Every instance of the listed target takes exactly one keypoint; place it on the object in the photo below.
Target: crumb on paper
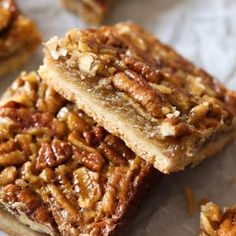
(190, 201)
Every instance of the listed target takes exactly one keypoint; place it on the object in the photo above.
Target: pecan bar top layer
(92, 11)
(18, 36)
(61, 173)
(215, 222)
(168, 111)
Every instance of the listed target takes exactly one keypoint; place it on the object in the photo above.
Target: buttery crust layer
(60, 172)
(168, 111)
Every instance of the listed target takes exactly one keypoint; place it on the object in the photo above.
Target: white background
(203, 31)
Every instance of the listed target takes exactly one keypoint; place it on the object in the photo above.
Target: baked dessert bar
(61, 173)
(215, 222)
(92, 11)
(167, 110)
(19, 37)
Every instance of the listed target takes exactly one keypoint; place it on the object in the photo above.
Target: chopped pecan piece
(47, 175)
(12, 158)
(87, 185)
(120, 147)
(8, 146)
(62, 201)
(173, 127)
(94, 136)
(76, 123)
(110, 154)
(8, 175)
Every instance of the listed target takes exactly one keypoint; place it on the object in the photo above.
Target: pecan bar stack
(214, 222)
(61, 173)
(92, 11)
(167, 110)
(18, 37)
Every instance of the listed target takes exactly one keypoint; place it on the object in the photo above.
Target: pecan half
(142, 68)
(110, 154)
(92, 160)
(52, 155)
(144, 95)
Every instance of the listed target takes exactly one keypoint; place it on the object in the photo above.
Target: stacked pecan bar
(92, 11)
(214, 222)
(62, 173)
(167, 110)
(18, 37)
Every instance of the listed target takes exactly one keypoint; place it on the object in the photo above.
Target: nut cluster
(59, 166)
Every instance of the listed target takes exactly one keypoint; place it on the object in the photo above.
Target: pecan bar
(19, 37)
(167, 110)
(215, 222)
(62, 173)
(92, 11)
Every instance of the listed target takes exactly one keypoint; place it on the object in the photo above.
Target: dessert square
(62, 173)
(19, 37)
(168, 111)
(214, 221)
(92, 11)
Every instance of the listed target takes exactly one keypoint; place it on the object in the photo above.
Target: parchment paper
(203, 31)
